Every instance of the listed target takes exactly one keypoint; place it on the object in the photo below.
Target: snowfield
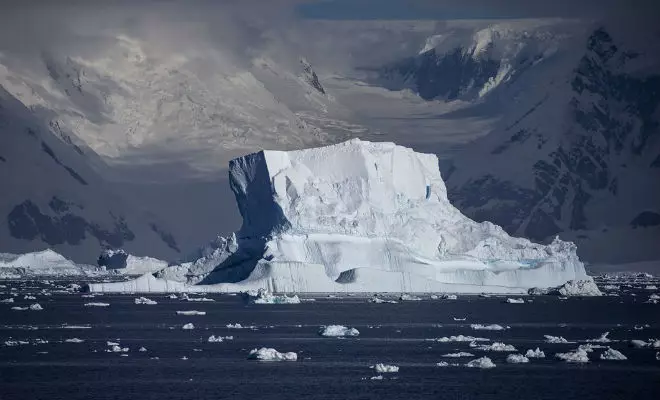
(377, 220)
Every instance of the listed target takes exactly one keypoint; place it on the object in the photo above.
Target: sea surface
(36, 362)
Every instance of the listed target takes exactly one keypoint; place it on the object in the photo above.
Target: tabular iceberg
(358, 217)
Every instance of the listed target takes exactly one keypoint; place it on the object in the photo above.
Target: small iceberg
(385, 369)
(191, 312)
(73, 340)
(602, 339)
(458, 355)
(460, 338)
(555, 339)
(538, 353)
(496, 346)
(516, 359)
(338, 331)
(268, 354)
(577, 356)
(614, 355)
(491, 327)
(144, 300)
(36, 307)
(189, 325)
(96, 304)
(219, 339)
(515, 301)
(483, 362)
(408, 297)
(262, 296)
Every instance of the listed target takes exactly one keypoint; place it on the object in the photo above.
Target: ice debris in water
(189, 325)
(589, 348)
(144, 300)
(446, 364)
(377, 378)
(268, 354)
(516, 359)
(191, 312)
(584, 287)
(483, 362)
(577, 356)
(408, 297)
(338, 330)
(459, 354)
(19, 308)
(115, 348)
(612, 354)
(7, 300)
(184, 296)
(602, 339)
(653, 343)
(538, 353)
(36, 307)
(96, 304)
(491, 327)
(262, 296)
(73, 340)
(651, 287)
(384, 368)
(219, 339)
(142, 349)
(460, 338)
(515, 301)
(496, 346)
(239, 326)
(555, 339)
(377, 300)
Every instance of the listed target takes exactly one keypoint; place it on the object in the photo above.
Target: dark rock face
(26, 221)
(613, 117)
(165, 237)
(447, 76)
(646, 219)
(311, 77)
(113, 259)
(70, 170)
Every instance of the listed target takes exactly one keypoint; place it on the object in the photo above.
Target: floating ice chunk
(19, 308)
(653, 299)
(653, 343)
(515, 301)
(408, 297)
(491, 327)
(191, 312)
(377, 378)
(483, 362)
(144, 300)
(555, 339)
(189, 325)
(262, 296)
(602, 339)
(185, 297)
(459, 319)
(651, 287)
(584, 287)
(459, 354)
(338, 330)
(446, 364)
(239, 326)
(117, 349)
(73, 340)
(460, 338)
(611, 354)
(577, 356)
(495, 346)
(7, 300)
(657, 356)
(268, 354)
(36, 307)
(516, 359)
(589, 348)
(27, 297)
(385, 369)
(378, 300)
(219, 339)
(96, 304)
(142, 349)
(538, 353)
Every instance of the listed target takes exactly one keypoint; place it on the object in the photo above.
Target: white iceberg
(144, 300)
(36, 307)
(268, 354)
(142, 349)
(96, 304)
(7, 300)
(580, 287)
(219, 339)
(483, 362)
(577, 356)
(338, 330)
(460, 338)
(516, 359)
(490, 327)
(188, 326)
(602, 339)
(495, 346)
(589, 348)
(357, 217)
(385, 369)
(458, 355)
(515, 301)
(408, 297)
(263, 296)
(555, 339)
(40, 263)
(538, 353)
(191, 312)
(73, 340)
(612, 354)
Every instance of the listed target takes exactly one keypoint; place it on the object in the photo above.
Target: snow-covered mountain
(576, 150)
(52, 198)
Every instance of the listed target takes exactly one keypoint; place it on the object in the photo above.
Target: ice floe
(218, 339)
(73, 340)
(458, 355)
(577, 356)
(338, 330)
(515, 301)
(612, 354)
(516, 359)
(495, 346)
(538, 353)
(189, 325)
(95, 304)
(491, 327)
(191, 312)
(144, 300)
(602, 339)
(483, 362)
(269, 354)
(460, 338)
(385, 369)
(408, 297)
(263, 296)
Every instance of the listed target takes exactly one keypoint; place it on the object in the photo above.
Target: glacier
(357, 216)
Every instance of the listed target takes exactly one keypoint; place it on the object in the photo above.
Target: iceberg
(385, 369)
(483, 362)
(611, 354)
(516, 359)
(144, 300)
(338, 331)
(538, 353)
(577, 356)
(491, 327)
(357, 216)
(268, 354)
(263, 296)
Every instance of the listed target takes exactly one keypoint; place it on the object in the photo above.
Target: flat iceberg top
(363, 217)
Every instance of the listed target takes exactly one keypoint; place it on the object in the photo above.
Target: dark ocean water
(327, 368)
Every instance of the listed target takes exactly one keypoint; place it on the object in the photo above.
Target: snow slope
(359, 217)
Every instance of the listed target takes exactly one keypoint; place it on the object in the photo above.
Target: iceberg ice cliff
(358, 217)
